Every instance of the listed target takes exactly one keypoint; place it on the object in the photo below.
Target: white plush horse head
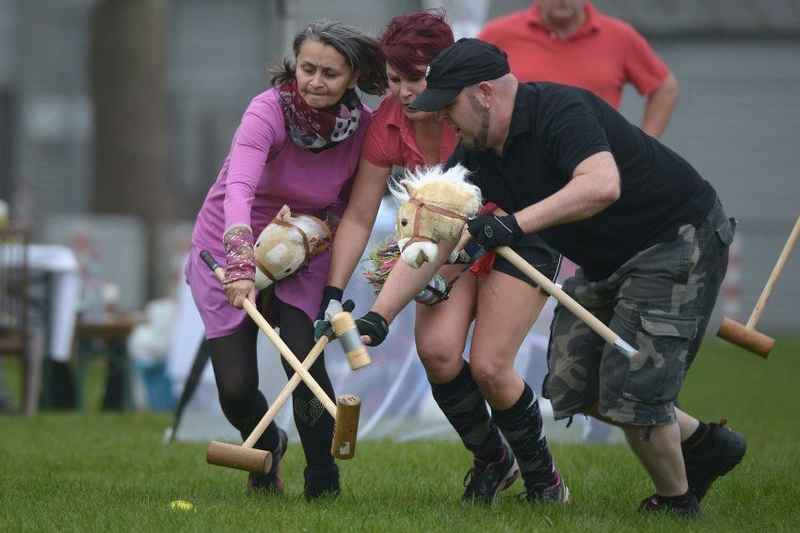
(435, 206)
(286, 244)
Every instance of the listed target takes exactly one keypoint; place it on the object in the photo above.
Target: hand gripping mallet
(746, 336)
(567, 301)
(349, 406)
(345, 329)
(247, 458)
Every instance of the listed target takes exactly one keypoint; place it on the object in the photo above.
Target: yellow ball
(181, 505)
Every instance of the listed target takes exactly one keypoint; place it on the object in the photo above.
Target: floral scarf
(319, 129)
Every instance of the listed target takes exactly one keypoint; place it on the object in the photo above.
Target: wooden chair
(16, 337)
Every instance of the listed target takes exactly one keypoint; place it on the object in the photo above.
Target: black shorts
(535, 251)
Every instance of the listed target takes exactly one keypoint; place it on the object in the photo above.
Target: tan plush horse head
(435, 206)
(286, 244)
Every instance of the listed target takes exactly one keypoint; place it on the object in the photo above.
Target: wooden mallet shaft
(746, 335)
(343, 436)
(245, 457)
(567, 301)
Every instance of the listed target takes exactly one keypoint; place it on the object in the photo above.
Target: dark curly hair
(361, 50)
(413, 40)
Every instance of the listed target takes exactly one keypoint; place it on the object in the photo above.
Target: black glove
(492, 231)
(330, 305)
(373, 325)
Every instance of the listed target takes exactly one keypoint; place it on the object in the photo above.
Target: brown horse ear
(410, 187)
(285, 213)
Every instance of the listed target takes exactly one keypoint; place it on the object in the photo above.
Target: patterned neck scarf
(319, 129)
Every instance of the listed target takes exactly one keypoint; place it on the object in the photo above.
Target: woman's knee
(237, 402)
(489, 373)
(440, 359)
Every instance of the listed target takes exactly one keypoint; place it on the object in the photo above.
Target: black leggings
(234, 359)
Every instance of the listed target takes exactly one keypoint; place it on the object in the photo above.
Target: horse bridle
(306, 242)
(415, 236)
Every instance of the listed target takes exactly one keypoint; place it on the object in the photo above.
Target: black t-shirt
(554, 128)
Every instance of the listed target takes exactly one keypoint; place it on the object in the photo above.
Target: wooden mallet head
(347, 332)
(239, 457)
(345, 431)
(747, 338)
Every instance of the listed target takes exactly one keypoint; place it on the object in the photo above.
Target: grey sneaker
(702, 469)
(685, 506)
(558, 492)
(484, 481)
(270, 482)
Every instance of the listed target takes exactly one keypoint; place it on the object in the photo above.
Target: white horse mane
(457, 175)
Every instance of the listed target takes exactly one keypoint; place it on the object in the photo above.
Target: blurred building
(738, 63)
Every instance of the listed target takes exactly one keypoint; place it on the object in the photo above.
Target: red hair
(413, 40)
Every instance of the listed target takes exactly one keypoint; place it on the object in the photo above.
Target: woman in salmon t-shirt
(400, 136)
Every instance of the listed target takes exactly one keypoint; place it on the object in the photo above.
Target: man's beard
(480, 141)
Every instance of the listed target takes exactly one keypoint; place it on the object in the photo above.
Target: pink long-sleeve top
(263, 171)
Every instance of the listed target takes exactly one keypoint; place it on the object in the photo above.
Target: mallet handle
(287, 391)
(273, 336)
(567, 301)
(773, 277)
(289, 388)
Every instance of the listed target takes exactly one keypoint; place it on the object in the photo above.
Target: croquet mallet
(746, 335)
(345, 414)
(567, 301)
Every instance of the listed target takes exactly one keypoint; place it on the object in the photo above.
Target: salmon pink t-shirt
(390, 139)
(602, 56)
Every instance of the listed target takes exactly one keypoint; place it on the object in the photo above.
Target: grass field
(112, 472)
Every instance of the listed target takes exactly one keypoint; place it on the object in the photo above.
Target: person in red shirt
(503, 303)
(571, 42)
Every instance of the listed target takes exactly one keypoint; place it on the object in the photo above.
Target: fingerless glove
(239, 256)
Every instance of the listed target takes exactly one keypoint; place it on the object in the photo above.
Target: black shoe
(270, 482)
(558, 492)
(322, 483)
(484, 481)
(685, 506)
(703, 468)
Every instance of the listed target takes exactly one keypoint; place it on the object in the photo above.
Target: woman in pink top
(401, 136)
(297, 144)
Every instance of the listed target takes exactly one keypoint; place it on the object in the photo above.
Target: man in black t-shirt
(648, 231)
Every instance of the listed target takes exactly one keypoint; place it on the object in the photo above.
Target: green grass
(112, 472)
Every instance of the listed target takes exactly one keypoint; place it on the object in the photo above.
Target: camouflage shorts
(660, 302)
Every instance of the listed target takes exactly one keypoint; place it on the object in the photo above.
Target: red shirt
(603, 55)
(390, 139)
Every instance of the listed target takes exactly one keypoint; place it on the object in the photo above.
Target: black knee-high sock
(697, 443)
(465, 408)
(314, 423)
(522, 427)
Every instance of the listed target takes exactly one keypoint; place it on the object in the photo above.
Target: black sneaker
(727, 450)
(270, 482)
(484, 481)
(558, 492)
(322, 483)
(685, 506)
